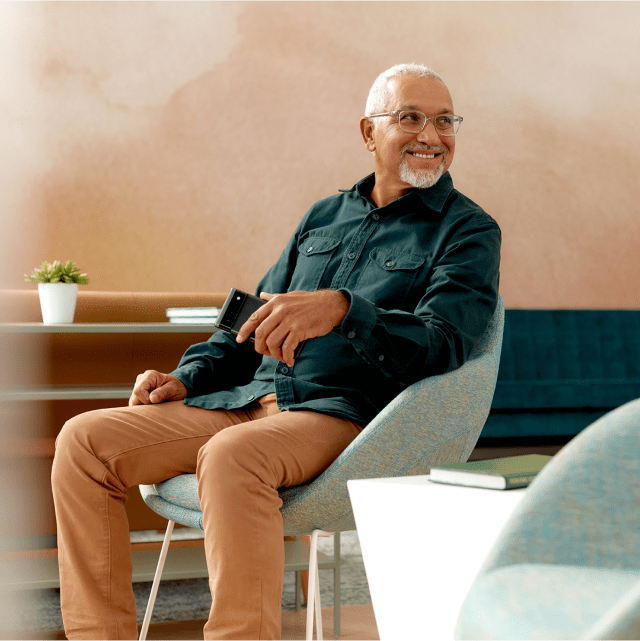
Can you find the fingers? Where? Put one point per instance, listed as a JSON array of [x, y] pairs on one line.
[[269, 337], [144, 384], [280, 343], [278, 326], [254, 321], [277, 334], [155, 387], [289, 350], [158, 395], [288, 319]]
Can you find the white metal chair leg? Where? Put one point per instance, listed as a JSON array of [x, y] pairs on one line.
[[313, 596], [156, 581]]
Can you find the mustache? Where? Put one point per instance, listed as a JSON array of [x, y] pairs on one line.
[[411, 146]]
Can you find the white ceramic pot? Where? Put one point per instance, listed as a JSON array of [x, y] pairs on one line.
[[58, 302]]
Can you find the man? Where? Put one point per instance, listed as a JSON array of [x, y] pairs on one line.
[[386, 283]]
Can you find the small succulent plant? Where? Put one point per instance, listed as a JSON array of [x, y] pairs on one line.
[[57, 272]]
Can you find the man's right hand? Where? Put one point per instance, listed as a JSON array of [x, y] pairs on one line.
[[156, 387]]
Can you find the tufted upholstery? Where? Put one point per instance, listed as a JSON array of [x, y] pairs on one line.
[[567, 564], [437, 420], [562, 369]]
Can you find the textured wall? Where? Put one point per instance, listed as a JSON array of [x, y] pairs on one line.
[[19, 146], [178, 144]]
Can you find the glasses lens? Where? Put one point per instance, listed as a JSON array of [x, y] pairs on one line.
[[412, 121], [446, 124]]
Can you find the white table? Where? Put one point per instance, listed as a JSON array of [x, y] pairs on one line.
[[422, 545]]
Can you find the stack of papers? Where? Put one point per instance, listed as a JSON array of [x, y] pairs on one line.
[[193, 315]]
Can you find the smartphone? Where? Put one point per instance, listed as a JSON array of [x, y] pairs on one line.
[[236, 311]]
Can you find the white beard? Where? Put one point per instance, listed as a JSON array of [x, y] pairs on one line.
[[423, 179]]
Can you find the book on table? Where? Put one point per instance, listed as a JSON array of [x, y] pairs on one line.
[[494, 474]]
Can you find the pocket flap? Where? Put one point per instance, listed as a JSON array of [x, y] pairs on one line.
[[393, 260], [317, 245]]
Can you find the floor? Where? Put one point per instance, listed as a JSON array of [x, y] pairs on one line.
[[358, 622]]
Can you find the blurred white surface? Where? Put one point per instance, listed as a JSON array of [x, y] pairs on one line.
[[422, 545]]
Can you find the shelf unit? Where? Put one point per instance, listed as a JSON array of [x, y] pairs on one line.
[[41, 566], [186, 560], [88, 392], [107, 328]]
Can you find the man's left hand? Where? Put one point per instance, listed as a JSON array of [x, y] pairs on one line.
[[288, 319]]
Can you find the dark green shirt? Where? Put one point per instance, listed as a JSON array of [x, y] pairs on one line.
[[421, 276]]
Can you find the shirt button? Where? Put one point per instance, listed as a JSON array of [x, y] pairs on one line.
[[285, 370], [251, 397], [376, 216], [309, 250], [389, 263], [351, 256], [381, 357], [351, 334]]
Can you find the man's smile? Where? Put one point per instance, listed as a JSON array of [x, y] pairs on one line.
[[419, 155], [424, 152], [427, 164]]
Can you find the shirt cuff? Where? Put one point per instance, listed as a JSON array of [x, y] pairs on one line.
[[360, 320], [185, 375]]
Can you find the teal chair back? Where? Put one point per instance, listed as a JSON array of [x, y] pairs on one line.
[[567, 563]]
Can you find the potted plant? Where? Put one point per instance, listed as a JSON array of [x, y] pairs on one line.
[[58, 290]]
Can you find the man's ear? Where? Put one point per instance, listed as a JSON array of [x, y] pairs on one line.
[[367, 129]]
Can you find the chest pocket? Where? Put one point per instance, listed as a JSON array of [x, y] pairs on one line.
[[388, 277], [314, 254]]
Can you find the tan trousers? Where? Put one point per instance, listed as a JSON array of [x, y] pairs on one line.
[[241, 458]]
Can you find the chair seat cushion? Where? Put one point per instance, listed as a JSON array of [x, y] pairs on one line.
[[175, 499], [181, 490], [529, 601]]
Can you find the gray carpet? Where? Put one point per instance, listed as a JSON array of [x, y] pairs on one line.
[[189, 599]]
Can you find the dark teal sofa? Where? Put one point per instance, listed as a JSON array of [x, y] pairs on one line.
[[560, 370]]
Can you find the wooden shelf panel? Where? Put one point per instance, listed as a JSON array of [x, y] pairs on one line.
[[40, 573], [107, 328], [65, 392], [184, 562]]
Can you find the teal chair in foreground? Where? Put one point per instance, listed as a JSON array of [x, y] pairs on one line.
[[435, 421], [567, 563]]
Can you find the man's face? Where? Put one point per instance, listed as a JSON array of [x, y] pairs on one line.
[[402, 159]]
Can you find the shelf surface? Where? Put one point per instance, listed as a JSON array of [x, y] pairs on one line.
[[107, 328], [65, 392], [182, 563]]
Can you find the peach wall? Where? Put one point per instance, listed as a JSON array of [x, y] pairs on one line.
[[176, 145], [19, 145]]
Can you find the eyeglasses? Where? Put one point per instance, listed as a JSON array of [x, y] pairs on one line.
[[415, 121]]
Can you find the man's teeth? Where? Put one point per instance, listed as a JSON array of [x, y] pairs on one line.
[[415, 153]]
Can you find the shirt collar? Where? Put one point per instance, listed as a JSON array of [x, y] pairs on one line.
[[434, 197]]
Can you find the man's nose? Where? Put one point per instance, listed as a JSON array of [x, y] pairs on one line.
[[429, 134]]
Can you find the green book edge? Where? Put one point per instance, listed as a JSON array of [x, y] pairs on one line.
[[506, 466]]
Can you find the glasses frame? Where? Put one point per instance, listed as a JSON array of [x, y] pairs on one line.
[[457, 119]]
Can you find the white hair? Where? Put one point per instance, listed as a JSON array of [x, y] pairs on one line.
[[379, 94]]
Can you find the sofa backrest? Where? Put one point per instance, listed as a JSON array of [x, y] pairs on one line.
[[563, 359]]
